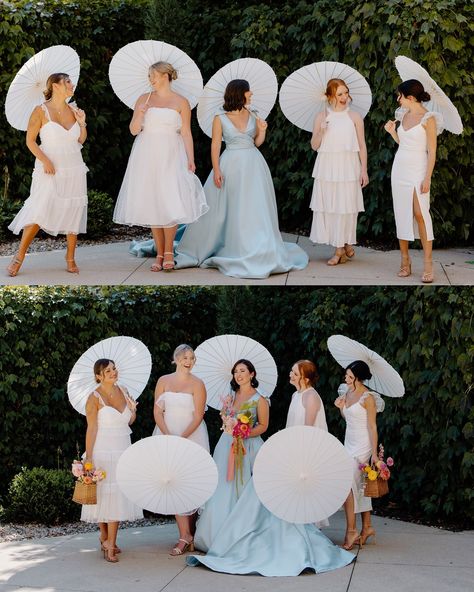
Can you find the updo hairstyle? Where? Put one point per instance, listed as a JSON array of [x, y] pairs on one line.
[[250, 367], [308, 371], [53, 79], [414, 88], [100, 366], [332, 86], [360, 370], [164, 68], [181, 350], [234, 96]]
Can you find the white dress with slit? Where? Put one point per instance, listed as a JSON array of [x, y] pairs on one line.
[[408, 172]]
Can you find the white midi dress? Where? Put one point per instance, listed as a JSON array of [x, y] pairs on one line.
[[337, 195], [357, 444], [57, 203], [408, 172], [296, 417], [113, 437], [158, 190]]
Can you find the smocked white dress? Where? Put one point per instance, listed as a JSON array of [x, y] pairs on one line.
[[178, 411], [337, 194], [113, 437], [357, 443], [57, 203], [158, 190], [408, 172]]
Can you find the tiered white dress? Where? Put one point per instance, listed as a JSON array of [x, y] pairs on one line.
[[57, 203], [357, 443], [113, 437], [408, 172], [178, 411], [158, 190], [337, 194], [296, 417]]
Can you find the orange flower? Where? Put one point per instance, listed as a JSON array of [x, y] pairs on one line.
[[88, 466], [87, 480]]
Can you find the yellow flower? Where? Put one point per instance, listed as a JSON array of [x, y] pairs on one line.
[[372, 475], [243, 418], [88, 466], [367, 469]]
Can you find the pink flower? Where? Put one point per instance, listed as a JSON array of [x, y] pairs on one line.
[[390, 461], [362, 466], [77, 469], [385, 474]]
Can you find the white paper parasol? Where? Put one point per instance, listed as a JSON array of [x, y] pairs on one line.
[[167, 474], [262, 81], [216, 356], [302, 474], [440, 102], [128, 71], [302, 93], [26, 90], [385, 379], [132, 360]]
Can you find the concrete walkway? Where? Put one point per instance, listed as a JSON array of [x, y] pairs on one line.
[[111, 264], [407, 557]]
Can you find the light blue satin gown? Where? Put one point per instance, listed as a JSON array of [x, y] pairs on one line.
[[241, 536], [239, 235]]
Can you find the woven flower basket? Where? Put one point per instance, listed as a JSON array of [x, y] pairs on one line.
[[85, 494], [376, 488]]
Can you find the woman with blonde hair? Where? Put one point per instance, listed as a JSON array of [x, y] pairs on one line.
[[160, 189], [180, 402], [58, 197], [340, 173]]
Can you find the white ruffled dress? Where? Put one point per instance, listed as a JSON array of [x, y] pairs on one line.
[[337, 194], [408, 172]]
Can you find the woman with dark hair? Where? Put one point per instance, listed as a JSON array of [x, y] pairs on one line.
[[58, 197], [359, 407], [239, 235], [110, 411], [340, 173], [411, 172], [238, 533], [159, 189]]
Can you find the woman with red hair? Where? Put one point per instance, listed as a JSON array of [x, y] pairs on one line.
[[340, 173]]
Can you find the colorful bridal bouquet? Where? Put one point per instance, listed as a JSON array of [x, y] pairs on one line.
[[237, 425], [87, 477], [376, 476]]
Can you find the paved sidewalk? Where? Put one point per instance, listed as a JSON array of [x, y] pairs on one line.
[[111, 264], [406, 557]]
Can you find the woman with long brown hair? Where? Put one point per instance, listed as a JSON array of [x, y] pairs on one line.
[[340, 173], [239, 235], [58, 198]]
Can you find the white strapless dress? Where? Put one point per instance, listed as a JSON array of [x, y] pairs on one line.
[[158, 190], [113, 437], [178, 411]]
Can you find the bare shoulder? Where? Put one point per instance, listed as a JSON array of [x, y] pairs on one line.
[[197, 381], [92, 402], [356, 117], [181, 101]]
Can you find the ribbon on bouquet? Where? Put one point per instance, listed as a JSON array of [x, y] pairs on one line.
[[235, 461]]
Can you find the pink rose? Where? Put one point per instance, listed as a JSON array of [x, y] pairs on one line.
[[390, 461]]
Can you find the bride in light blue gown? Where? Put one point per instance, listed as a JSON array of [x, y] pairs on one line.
[[239, 235], [239, 534]]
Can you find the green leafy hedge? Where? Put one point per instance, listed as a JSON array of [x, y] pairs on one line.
[[426, 333], [367, 35]]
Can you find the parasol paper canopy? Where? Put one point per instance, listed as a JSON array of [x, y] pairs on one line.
[[263, 84], [302, 93], [167, 474], [128, 71], [216, 357], [385, 379], [440, 102], [132, 360], [302, 474], [26, 90]]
